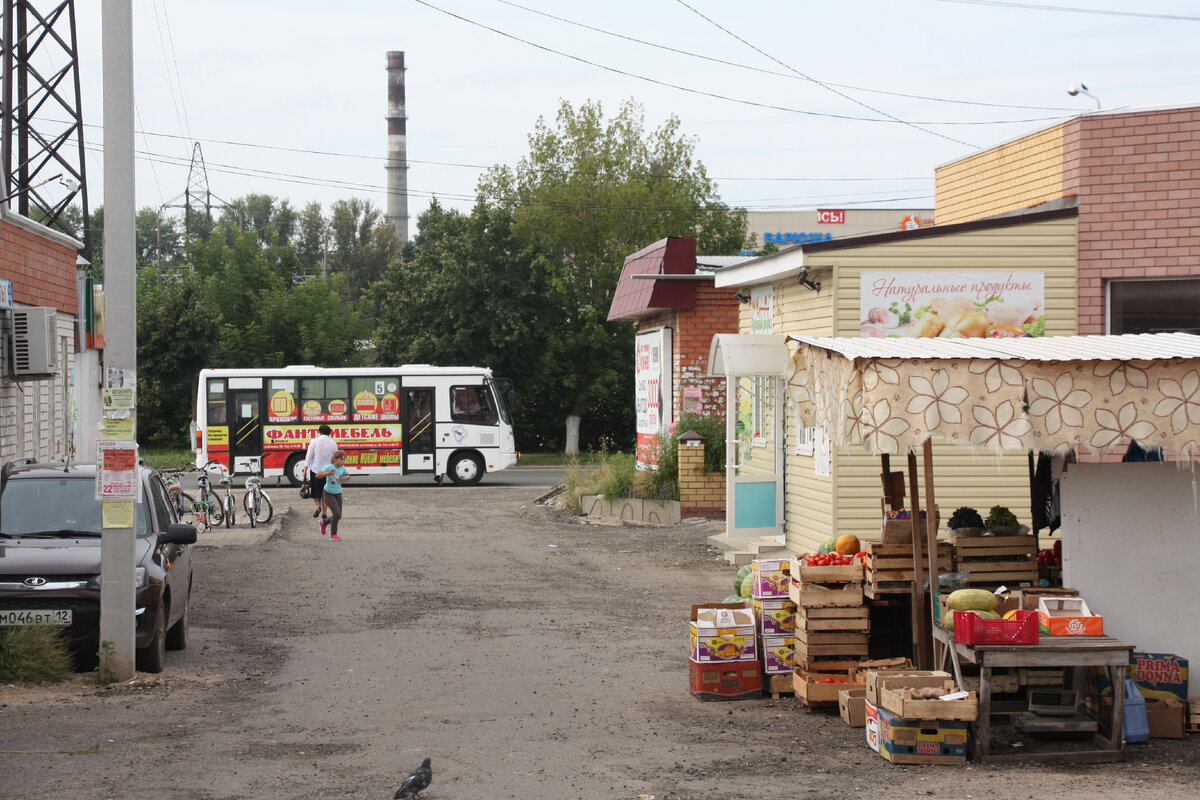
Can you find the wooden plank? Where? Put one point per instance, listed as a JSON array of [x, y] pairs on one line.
[[986, 568], [778, 685], [898, 549], [834, 612], [827, 664], [835, 624], [805, 652], [880, 575], [852, 595], [810, 638]]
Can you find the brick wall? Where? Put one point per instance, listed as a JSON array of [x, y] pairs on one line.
[[716, 311], [701, 494], [42, 270], [1137, 177]]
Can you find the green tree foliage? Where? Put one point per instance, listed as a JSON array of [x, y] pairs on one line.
[[590, 192], [364, 243]]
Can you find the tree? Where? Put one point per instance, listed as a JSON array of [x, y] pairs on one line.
[[312, 240], [590, 192], [364, 243]]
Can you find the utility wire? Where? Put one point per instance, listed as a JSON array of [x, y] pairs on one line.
[[1103, 11], [772, 72], [714, 95], [827, 87]]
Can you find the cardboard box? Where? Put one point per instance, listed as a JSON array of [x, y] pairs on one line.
[[1159, 675], [903, 741], [877, 680], [778, 654], [771, 578], [1030, 596], [1068, 616], [722, 632], [776, 616], [852, 705], [897, 697], [871, 723], [1166, 718], [897, 525], [736, 680]]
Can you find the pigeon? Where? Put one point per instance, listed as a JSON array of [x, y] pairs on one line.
[[418, 779]]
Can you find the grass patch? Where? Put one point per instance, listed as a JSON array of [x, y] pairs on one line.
[[613, 475], [34, 654], [167, 457], [543, 460]]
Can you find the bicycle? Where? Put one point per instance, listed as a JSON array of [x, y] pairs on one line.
[[207, 496], [181, 501], [257, 502], [228, 504], [199, 514]]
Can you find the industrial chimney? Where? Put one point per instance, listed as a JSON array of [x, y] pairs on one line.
[[397, 147]]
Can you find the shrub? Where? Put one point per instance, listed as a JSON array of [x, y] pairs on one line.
[[34, 654], [712, 428]]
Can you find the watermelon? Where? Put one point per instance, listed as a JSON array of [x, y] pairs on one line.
[[743, 574], [829, 546], [733, 598], [747, 587]]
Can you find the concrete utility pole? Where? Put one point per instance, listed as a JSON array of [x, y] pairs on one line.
[[117, 596], [397, 147]]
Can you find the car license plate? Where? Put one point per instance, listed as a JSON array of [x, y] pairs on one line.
[[45, 616]]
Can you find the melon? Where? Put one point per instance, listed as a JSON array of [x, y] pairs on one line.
[[829, 546], [847, 544], [747, 587], [948, 617], [743, 574], [972, 600], [733, 598]]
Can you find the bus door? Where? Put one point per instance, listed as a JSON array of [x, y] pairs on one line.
[[419, 445], [246, 427]]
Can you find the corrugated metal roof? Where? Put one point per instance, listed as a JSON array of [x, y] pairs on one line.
[[1127, 347]]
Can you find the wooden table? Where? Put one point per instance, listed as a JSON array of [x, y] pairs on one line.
[[1051, 651]]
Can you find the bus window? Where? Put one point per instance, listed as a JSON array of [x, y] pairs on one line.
[[325, 400], [472, 404], [281, 400], [216, 402], [375, 399]]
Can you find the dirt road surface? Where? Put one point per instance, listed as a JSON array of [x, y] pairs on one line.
[[530, 656]]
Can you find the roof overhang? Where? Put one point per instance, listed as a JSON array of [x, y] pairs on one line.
[[734, 354], [651, 279]]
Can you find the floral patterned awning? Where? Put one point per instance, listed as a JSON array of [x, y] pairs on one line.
[[1051, 394]]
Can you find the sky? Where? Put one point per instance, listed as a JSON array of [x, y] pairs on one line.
[[792, 104]]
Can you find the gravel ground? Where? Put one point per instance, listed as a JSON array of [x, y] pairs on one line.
[[529, 655]]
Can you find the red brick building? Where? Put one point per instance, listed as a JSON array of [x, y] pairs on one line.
[[38, 384], [1135, 177], [668, 290]]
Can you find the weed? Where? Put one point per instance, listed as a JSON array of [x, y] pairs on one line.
[[34, 654]]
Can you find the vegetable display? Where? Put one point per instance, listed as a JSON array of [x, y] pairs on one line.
[[1001, 517], [965, 518]]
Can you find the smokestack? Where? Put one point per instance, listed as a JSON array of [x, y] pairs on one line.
[[397, 147]]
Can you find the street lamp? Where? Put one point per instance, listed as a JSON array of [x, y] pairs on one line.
[[70, 183]]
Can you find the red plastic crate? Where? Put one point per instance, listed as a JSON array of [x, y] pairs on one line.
[[970, 628]]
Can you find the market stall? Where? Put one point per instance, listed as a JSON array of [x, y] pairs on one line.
[[1050, 395]]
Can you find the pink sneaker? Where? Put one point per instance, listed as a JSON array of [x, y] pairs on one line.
[[335, 538], [322, 527]]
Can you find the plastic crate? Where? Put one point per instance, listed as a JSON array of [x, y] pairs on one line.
[[970, 628]]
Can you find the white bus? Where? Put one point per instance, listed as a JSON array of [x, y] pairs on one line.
[[441, 421]]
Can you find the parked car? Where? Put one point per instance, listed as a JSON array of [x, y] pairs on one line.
[[50, 527]]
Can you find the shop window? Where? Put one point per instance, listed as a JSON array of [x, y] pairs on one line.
[[1154, 306], [216, 402], [472, 404]]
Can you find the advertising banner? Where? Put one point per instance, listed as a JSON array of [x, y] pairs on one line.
[[994, 305], [653, 400]]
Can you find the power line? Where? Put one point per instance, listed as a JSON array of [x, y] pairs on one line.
[[1102, 11], [827, 87], [760, 70], [726, 98]]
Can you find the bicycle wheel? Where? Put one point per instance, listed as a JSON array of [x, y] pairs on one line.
[[264, 512], [200, 517], [215, 516], [184, 503], [250, 501], [228, 511]]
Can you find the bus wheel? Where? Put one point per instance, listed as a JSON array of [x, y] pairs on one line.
[[465, 469], [294, 469]]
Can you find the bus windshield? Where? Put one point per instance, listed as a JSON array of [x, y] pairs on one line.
[[502, 388]]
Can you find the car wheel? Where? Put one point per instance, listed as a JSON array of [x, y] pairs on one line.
[[466, 469], [294, 469], [152, 657], [177, 635]]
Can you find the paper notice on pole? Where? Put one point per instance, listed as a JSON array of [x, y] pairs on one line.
[[116, 471], [119, 377], [119, 397], [116, 513], [119, 428]]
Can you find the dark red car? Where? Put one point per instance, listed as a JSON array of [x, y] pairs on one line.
[[50, 527]]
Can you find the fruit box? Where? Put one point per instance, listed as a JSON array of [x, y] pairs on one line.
[[1166, 718], [722, 632], [776, 616], [1159, 675], [734, 680], [877, 680], [852, 705], [818, 687], [899, 701], [770, 578], [1068, 616], [871, 723], [804, 574], [778, 652], [906, 741]]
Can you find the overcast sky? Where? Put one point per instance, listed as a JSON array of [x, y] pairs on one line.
[[835, 104]]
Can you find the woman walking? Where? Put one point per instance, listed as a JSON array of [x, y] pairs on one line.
[[334, 473]]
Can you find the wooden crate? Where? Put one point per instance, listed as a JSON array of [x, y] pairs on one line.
[[993, 560], [889, 567], [804, 574], [834, 618], [826, 664], [778, 685], [812, 690], [901, 703], [816, 639]]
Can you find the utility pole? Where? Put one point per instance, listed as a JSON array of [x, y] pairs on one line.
[[117, 544]]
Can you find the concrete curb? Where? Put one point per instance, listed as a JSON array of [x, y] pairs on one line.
[[241, 533]]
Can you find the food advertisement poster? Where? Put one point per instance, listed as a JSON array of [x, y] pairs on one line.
[[652, 381], [954, 305]]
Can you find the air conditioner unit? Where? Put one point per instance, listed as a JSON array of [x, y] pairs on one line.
[[35, 341]]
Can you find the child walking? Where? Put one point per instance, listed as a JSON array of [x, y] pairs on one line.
[[334, 474]]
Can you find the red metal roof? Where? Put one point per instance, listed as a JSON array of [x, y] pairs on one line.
[[637, 297]]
